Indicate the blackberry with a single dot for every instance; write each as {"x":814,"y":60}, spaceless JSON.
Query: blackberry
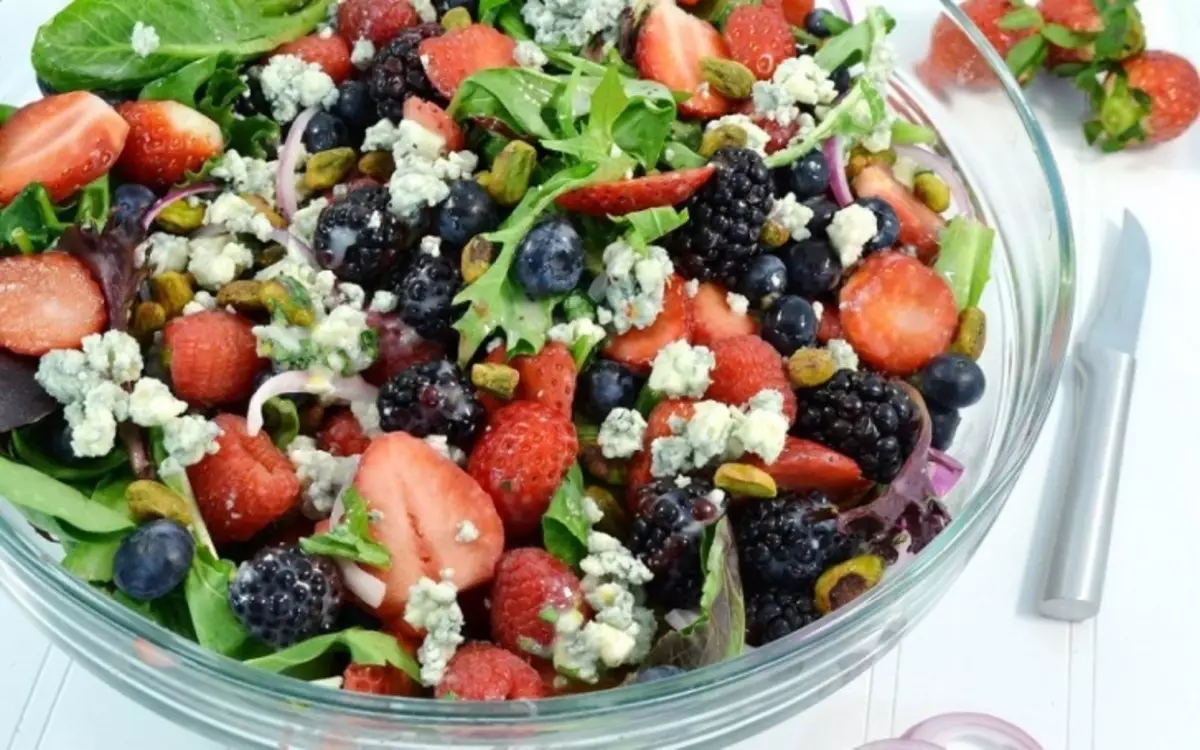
{"x":726,"y":216}
{"x":788,"y":541}
{"x":433,"y":398}
{"x":773,"y":614}
{"x":358,"y":237}
{"x":665,"y":535}
{"x":396,"y":73}
{"x":863,"y":416}
{"x":283,"y":596}
{"x":424,"y":291}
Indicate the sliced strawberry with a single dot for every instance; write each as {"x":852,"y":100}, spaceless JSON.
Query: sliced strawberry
{"x":342,"y":435}
{"x":795,"y":11}
{"x":48,"y":301}
{"x":830,"y":326}
{"x":805,"y":465}
{"x":423,"y":499}
{"x":452,"y":57}
{"x":434,"y":119}
{"x":658,"y":425}
{"x":376,"y":20}
{"x":400,"y":347}
{"x":332,"y":53}
{"x":626,"y":196}
{"x":547,"y":378}
{"x":212,"y":357}
{"x":166,"y":141}
{"x":637,"y":347}
{"x":919,"y":226}
{"x":670,"y":46}
{"x":759,"y":38}
{"x":62,"y":142}
{"x":897,"y":313}
{"x":715,"y":319}
{"x":246,"y":485}
{"x":745,"y":366}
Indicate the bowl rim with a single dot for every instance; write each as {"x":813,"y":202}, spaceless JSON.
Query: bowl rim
{"x":986,"y":502}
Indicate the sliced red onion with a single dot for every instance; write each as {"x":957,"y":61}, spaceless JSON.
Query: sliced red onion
{"x":944,"y":472}
{"x":900,"y":745}
{"x":994,"y":732}
{"x":171,"y":197}
{"x":292,"y":242}
{"x":368,"y":588}
{"x":302,"y":381}
{"x":945,"y":169}
{"x":285,"y":172}
{"x":835,"y":155}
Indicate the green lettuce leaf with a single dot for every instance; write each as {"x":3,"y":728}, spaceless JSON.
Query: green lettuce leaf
{"x":90,"y":556}
{"x":965,"y":259}
{"x":351,"y":538}
{"x":94,"y":203}
{"x":30,"y":222}
{"x":565,"y":526}
{"x":206,"y":590}
{"x":516,"y":97}
{"x":651,"y":224}
{"x":365,"y":647}
{"x":170,"y":611}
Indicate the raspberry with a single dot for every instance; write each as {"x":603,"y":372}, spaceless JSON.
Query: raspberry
{"x":432,"y":399}
{"x":342,"y":435}
{"x":788,"y":541}
{"x":378,"y":680}
{"x":483,"y":672}
{"x":397,"y":72}
{"x":531,"y":583}
{"x":213,"y":357}
{"x":283,"y":596}
{"x":747,"y":365}
{"x":667,"y":527}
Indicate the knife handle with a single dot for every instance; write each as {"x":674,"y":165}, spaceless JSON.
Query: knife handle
{"x":1075,"y":577}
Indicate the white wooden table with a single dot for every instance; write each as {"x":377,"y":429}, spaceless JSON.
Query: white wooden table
{"x":1126,"y":681}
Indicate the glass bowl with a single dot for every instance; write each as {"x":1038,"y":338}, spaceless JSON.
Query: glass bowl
{"x":1001,"y":150}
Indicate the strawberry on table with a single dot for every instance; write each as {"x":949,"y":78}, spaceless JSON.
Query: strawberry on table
{"x":483,"y":672}
{"x":452,"y":57}
{"x":1086,"y":22}
{"x":530,"y":583}
{"x":897,"y":313}
{"x":670,"y":46}
{"x":423,"y":500}
{"x":434,"y":119}
{"x":521,"y":459}
{"x":62,"y":142}
{"x":246,"y":485}
{"x":626,"y":196}
{"x":375,"y":20}
{"x":759,"y":38}
{"x":745,"y":366}
{"x":1170,"y":85}
{"x":637,"y":347}
{"x":166,"y":141}
{"x":342,"y":435}
{"x":547,"y":378}
{"x":48,"y":301}
{"x":954,"y":59}
{"x":715,"y":319}
{"x":919,"y":225}
{"x":332,"y":53}
{"x":805,"y":465}
{"x":212,"y":357}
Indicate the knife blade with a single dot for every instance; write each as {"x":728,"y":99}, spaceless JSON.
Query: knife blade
{"x":1105,"y":366}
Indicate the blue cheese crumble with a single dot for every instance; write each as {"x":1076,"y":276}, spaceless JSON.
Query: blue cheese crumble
{"x":323,"y":476}
{"x":151,"y":404}
{"x":682,"y":370}
{"x":247,"y":175}
{"x":216,"y":261}
{"x":423,"y":170}
{"x":851,"y":228}
{"x":844,"y":356}
{"x":433,"y":607}
{"x":719,"y":432}
{"x":114,"y":355}
{"x":797,"y":81}
{"x":187,"y":440}
{"x":144,"y":40}
{"x":793,"y":216}
{"x":621,"y":433}
{"x":576,"y":331}
{"x":164,"y":252}
{"x":291,"y":84}
{"x":573,"y":22}
{"x":304,"y":221}
{"x":237,"y":215}
{"x":362,"y":54}
{"x":633,"y":286}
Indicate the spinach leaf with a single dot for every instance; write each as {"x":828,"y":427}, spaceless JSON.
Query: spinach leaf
{"x":27,"y":487}
{"x":965,"y":259}
{"x":565,"y":526}
{"x":365,"y":647}
{"x":643,"y":128}
{"x":88,"y":45}
{"x":651,"y":224}
{"x":514,"y":96}
{"x":489,"y":10}
{"x":178,"y":482}
{"x":182,"y":85}
{"x":350,"y":539}
{"x":6,"y":112}
{"x":30,"y":223}
{"x":92,"y":561}
{"x":94,"y":202}
{"x":509,"y":21}
{"x":170,"y":611}
{"x":855,"y":44}
{"x":206,"y":590}
{"x":281,"y":421}
{"x":25,"y":447}
{"x":679,"y":156}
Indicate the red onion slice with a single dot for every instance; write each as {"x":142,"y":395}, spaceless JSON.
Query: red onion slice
{"x":944,"y":472}
{"x":835,"y":155}
{"x":988,"y":731}
{"x":304,"y":381}
{"x":369,"y":589}
{"x":900,"y":745}
{"x":171,"y":197}
{"x":285,"y":172}
{"x":292,"y":242}
{"x":945,"y":169}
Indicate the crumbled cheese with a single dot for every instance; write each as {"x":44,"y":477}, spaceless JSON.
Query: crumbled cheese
{"x":383,"y":302}
{"x":151,"y":404}
{"x":621,"y":433}
{"x":144,"y":40}
{"x":304,"y":221}
{"x":425,"y":10}
{"x":414,"y":186}
{"x":717,"y":431}
{"x":187,"y":440}
{"x":692,"y":287}
{"x":352,"y":294}
{"x":340,"y":336}
{"x":362,"y":54}
{"x":247,"y":175}
{"x":529,"y":55}
{"x":414,"y":139}
{"x":798,"y":80}
{"x":592,"y":511}
{"x":573,"y":23}
{"x":238,"y":215}
{"x":818,"y":311}
{"x":467,"y":532}
{"x":165,"y":252}
{"x":367,"y":414}
{"x":737,"y":303}
{"x":682,"y":370}
{"x":634,"y":285}
{"x":683,"y":481}
{"x":66,"y":375}
{"x":768,"y":399}
{"x":200,"y":302}
{"x":709,"y":430}
{"x":762,"y":433}
{"x":880,"y":137}
{"x":851,"y":228}
{"x":441,"y":444}
{"x":93,"y":429}
{"x":431,"y":245}
{"x":433,"y":607}
{"x":670,"y":456}
{"x":382,"y":136}
{"x":216,"y":261}
{"x":576,"y":331}
{"x":793,"y":216}
{"x":756,"y":138}
{"x":114,"y":355}
{"x":323,"y":476}
{"x":844,"y":356}
{"x":291,"y":84}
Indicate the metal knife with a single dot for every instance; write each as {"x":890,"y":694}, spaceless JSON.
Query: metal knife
{"x":1104,"y":366}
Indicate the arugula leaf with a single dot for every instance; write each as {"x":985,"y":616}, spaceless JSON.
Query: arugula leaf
{"x":30,"y":223}
{"x":27,"y":487}
{"x":650,"y":224}
{"x":350,"y":539}
{"x":94,"y":202}
{"x":206,"y":589}
{"x":607,"y":103}
{"x":643,"y":128}
{"x":854,"y":44}
{"x":6,"y":112}
{"x":514,"y":96}
{"x":965,"y":259}
{"x":678,"y":156}
{"x":88,"y":45}
{"x":565,"y":525}
{"x":281,"y":421}
{"x":365,"y":647}
{"x":24,"y":444}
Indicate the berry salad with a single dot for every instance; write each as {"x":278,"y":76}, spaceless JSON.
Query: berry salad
{"x":480,"y":351}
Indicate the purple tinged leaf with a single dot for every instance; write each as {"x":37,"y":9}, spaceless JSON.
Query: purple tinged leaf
{"x":22,"y":400}
{"x":109,"y":256}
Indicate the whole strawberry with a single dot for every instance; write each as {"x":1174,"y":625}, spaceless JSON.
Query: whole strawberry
{"x":531,"y":587}
{"x":1148,"y":99}
{"x":1078,"y":31}
{"x":954,"y":59}
{"x":547,"y":377}
{"x":520,"y":461}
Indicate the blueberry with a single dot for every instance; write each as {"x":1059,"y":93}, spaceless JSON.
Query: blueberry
{"x":817,"y":23}
{"x":325,"y":132}
{"x":790,"y":324}
{"x":823,"y":210}
{"x":809,"y":176}
{"x":841,"y":79}
{"x":887,"y":221}
{"x":813,"y":268}
{"x":550,"y":258}
{"x":763,"y":280}
{"x":466,"y":212}
{"x":952,"y":381}
{"x":604,"y":386}
{"x":944,"y":423}
{"x":130,"y":201}
{"x":654,"y":674}
{"x":153,"y":559}
{"x":355,"y":107}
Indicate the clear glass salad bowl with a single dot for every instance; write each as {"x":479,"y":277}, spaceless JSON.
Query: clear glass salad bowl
{"x":994,"y":139}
